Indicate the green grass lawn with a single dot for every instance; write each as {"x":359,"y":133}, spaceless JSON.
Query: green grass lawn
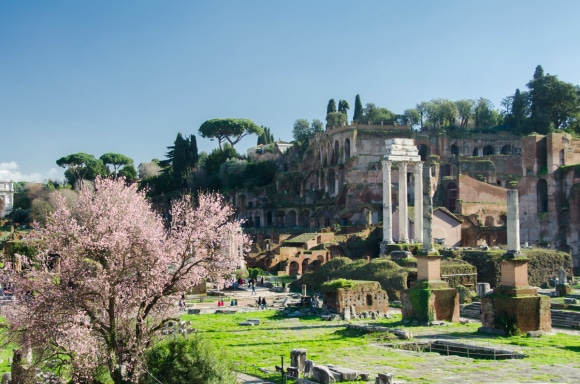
{"x":331,"y":343}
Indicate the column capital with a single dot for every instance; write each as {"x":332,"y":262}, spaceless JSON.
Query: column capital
{"x":387,"y":164}
{"x":419,"y":167}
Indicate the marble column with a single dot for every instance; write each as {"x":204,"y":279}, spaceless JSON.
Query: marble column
{"x":428,"y":214}
{"x":418,"y":202}
{"x":403,"y":209}
{"x":387,"y":203}
{"x":513,"y":222}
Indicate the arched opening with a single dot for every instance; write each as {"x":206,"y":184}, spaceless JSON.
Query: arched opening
{"x":315,"y":265}
{"x":488,"y":150}
{"x":486,"y":238}
{"x":489,"y":221}
{"x":475,"y":151}
{"x":454,"y":150}
{"x":280,"y":216}
{"x":294,"y":268}
{"x":290,"y":219}
{"x":562,"y":157}
{"x":336,"y":152}
{"x":424,"y":152}
{"x":542,"y":196}
{"x":451,"y":197}
{"x":331,"y":178}
{"x":506,"y":149}
{"x":347,"y":149}
{"x":305,"y":266}
{"x":369,"y":300}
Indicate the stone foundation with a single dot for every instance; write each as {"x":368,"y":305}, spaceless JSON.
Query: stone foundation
{"x":430,"y":301}
{"x":527,"y":312}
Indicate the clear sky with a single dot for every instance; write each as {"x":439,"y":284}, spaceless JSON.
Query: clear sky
{"x":127,"y":76}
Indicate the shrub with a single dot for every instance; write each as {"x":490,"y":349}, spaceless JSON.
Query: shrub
{"x":187,"y":360}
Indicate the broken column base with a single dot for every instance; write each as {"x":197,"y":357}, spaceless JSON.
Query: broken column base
{"x":515,"y":310}
{"x":430,"y":301}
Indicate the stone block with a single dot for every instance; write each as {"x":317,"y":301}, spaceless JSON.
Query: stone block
{"x":323,"y":375}
{"x":385,"y":378}
{"x":298,"y":359}
{"x":345,"y":373}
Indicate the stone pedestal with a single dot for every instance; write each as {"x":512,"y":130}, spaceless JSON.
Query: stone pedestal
{"x":430,"y":298}
{"x":428,"y":267}
{"x":515,"y":306}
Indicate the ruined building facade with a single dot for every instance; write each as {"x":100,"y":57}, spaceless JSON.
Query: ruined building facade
{"x":338,"y":181}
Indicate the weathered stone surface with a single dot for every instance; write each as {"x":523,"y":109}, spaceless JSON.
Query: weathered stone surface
{"x":323,"y":375}
{"x":385,"y":378}
{"x":345,"y":373}
{"x":298,"y":359}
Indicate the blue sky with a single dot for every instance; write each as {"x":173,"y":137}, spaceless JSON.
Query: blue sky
{"x":127,"y":76}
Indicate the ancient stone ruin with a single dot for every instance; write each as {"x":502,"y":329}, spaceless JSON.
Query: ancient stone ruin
{"x":360,"y":296}
{"x":515,"y":305}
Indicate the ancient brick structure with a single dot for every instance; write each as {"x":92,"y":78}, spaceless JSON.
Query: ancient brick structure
{"x":338,"y":180}
{"x":514,"y":303}
{"x":430,"y":298}
{"x":287,"y":255}
{"x":362,"y":296}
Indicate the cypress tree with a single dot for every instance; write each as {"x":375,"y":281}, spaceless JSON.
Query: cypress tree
{"x":358,"y":109}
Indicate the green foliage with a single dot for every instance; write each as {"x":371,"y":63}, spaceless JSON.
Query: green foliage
{"x":230,"y":130}
{"x":507,"y":323}
{"x":266,"y":137}
{"x":336,"y":284}
{"x":253,"y":273}
{"x":182,"y":157}
{"x":335,"y":119}
{"x":20,"y":216}
{"x":214,"y":161}
{"x":420,"y":302}
{"x":187,"y":360}
{"x":553,"y":103}
{"x":374,"y":115}
{"x":391,"y":276}
{"x":358,"y":109}
{"x":331,"y":107}
{"x":303,"y":131}
{"x":81,"y":166}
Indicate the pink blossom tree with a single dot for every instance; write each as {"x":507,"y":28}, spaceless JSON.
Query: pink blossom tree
{"x":121,"y":271}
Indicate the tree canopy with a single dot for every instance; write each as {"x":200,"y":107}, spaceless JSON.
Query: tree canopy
{"x":81,"y":166}
{"x":121,"y":273}
{"x":117,"y":160}
{"x":230,"y":130}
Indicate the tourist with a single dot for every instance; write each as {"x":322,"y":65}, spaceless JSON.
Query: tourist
{"x":264,"y":304}
{"x":259,"y":302}
{"x":253,"y":287}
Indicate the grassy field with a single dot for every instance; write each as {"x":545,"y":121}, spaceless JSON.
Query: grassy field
{"x":550,"y":358}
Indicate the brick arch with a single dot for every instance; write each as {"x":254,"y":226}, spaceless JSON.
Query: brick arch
{"x":336,"y":152}
{"x":294,"y":268}
{"x":488,"y":150}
